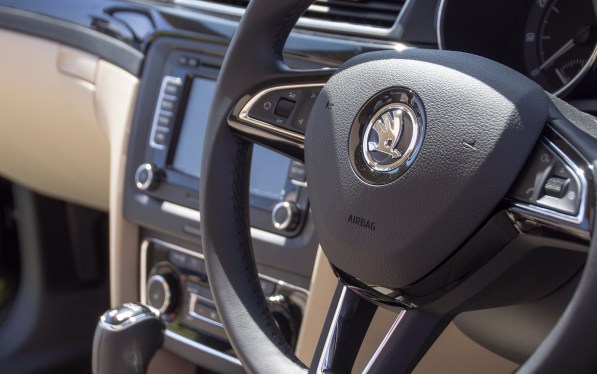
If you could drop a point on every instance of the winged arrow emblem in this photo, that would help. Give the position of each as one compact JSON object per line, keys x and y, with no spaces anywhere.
{"x":389,"y":130}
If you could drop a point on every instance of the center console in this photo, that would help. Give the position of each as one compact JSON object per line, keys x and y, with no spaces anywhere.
{"x":162,"y":196}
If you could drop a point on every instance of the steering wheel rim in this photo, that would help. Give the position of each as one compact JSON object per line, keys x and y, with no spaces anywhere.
{"x":254,"y":62}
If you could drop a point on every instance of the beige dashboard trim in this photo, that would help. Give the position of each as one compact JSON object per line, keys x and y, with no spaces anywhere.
{"x":51,"y":140}
{"x":64,"y":130}
{"x":116,"y":95}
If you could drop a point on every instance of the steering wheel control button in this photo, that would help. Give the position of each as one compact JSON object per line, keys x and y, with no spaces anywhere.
{"x":556,"y":187}
{"x":285,"y":216}
{"x":275,"y":107}
{"x":386,"y":138}
{"x":146,"y":177}
{"x":284,"y":107}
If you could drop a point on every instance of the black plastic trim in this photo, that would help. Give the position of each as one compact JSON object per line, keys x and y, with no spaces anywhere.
{"x":101,"y":45}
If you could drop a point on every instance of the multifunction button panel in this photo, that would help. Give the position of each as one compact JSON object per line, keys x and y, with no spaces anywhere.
{"x":286,"y":107}
{"x":549,"y":181}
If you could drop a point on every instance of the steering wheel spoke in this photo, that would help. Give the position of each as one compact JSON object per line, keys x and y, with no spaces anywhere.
{"x":553,"y":189}
{"x":277,"y":116}
{"x":349,"y":317}
{"x":407,"y":340}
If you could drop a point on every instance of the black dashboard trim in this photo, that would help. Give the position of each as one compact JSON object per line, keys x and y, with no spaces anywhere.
{"x":74,"y":35}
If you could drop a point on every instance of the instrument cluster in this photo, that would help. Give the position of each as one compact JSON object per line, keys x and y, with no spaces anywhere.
{"x":553,"y":42}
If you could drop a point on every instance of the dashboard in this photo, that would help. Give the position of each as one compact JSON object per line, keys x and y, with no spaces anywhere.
{"x":175,"y":48}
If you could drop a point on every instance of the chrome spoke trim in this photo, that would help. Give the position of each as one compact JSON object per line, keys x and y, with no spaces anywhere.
{"x":384,"y":341}
{"x":331,"y":340}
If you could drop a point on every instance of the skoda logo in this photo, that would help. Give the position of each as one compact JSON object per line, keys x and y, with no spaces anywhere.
{"x":391,"y":137}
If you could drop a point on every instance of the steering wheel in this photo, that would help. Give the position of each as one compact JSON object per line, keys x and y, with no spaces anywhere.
{"x":439,"y":182}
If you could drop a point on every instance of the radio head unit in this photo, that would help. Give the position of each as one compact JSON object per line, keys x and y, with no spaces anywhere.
{"x":171,"y":169}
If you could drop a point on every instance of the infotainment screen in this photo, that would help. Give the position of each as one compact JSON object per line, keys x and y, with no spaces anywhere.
{"x":269,"y":169}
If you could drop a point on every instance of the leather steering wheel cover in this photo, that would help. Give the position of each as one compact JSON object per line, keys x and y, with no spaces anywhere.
{"x":254,"y":56}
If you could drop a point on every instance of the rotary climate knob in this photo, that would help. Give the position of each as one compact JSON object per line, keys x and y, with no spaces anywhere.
{"x":162,"y":292}
{"x":286,"y":216}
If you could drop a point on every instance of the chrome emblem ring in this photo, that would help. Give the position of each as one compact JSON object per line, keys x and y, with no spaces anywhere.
{"x":391,"y":138}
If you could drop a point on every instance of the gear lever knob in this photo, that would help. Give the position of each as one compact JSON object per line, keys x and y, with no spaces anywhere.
{"x":126,"y":338}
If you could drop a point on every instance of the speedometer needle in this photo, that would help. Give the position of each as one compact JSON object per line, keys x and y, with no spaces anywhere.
{"x":581,"y":37}
{"x":565,"y":48}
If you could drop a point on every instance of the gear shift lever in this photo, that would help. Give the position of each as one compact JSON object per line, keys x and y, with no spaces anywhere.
{"x":126,"y":339}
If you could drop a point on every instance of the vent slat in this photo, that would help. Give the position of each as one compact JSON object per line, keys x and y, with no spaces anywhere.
{"x":376,"y":13}
{"x":382,"y":6}
{"x":338,"y":14}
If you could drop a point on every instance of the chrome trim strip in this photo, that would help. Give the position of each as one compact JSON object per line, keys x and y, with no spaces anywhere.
{"x":384,"y":341}
{"x":439,"y":23}
{"x":244,"y":113}
{"x":192,"y":302}
{"x":181,"y":211}
{"x":305,"y":22}
{"x":201,"y":347}
{"x":163,"y":95}
{"x":143,"y":272}
{"x":326,"y":355}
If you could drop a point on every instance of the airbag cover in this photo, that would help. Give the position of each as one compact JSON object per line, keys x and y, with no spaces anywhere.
{"x":482,"y":120}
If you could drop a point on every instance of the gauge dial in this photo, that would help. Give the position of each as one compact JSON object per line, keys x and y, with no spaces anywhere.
{"x":560,"y":42}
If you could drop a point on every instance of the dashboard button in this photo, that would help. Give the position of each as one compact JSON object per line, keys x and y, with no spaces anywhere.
{"x":171,"y":89}
{"x":161,"y":136}
{"x":297,"y":172}
{"x":164,"y":120}
{"x":162,"y":292}
{"x":168,"y":105}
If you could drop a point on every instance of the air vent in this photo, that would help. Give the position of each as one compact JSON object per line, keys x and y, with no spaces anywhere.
{"x":360,"y":12}
{"x":375,"y":13}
